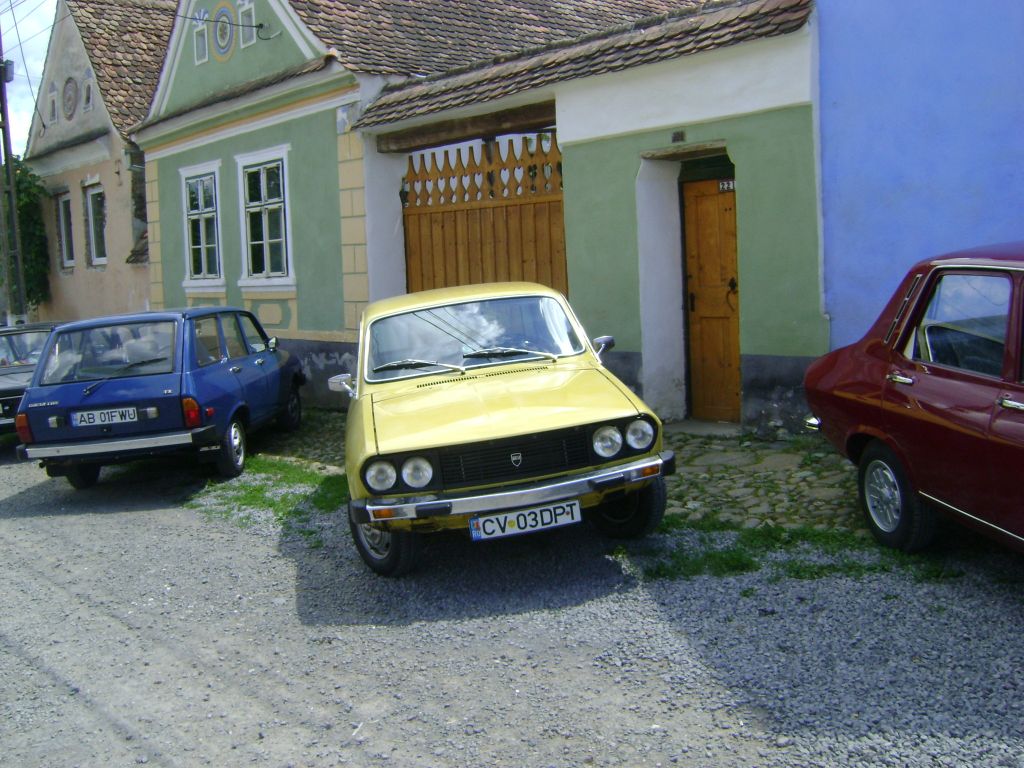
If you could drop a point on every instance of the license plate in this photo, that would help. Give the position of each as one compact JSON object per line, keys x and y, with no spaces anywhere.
{"x":99,"y":418}
{"x":525,"y":520}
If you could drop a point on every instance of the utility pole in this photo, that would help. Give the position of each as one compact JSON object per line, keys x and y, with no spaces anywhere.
{"x":12,"y":253}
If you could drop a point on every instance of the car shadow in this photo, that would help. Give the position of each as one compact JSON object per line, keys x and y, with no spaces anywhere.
{"x":138,"y":486}
{"x":8,"y":446}
{"x":456,"y":578}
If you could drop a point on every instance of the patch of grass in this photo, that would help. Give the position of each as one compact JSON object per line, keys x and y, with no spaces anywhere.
{"x":808,"y":571}
{"x":716,"y":562}
{"x":290,"y":490}
{"x":785,"y":549}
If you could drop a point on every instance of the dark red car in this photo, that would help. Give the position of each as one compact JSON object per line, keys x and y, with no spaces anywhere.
{"x":930,"y":403}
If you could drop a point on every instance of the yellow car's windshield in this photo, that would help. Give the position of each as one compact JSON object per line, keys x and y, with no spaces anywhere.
{"x":456,"y":337}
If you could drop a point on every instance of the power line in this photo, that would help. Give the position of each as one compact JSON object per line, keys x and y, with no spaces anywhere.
{"x":21,"y":47}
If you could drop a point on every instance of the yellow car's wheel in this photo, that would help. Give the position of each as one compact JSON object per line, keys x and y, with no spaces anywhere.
{"x":634,"y":515}
{"x":389,"y":553}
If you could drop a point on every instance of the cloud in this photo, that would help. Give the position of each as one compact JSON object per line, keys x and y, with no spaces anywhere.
{"x":26,"y":35}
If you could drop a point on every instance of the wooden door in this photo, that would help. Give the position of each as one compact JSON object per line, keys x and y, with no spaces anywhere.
{"x":712,"y":300}
{"x":484,"y":218}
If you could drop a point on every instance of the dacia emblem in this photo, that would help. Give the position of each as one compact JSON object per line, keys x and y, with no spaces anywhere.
{"x":517,"y":459}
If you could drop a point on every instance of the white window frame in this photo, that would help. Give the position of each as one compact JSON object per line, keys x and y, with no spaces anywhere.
{"x":246,"y":24}
{"x":65,"y":231}
{"x":89,"y":192}
{"x":200,"y":34}
{"x":248,"y":160}
{"x":201,"y":284}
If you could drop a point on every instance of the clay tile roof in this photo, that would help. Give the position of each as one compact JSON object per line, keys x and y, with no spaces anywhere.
{"x":419,"y":37}
{"x":712,"y":24}
{"x":126,"y":41}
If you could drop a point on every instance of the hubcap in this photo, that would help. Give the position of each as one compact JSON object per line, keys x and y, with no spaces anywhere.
{"x":377,"y":541}
{"x":882,"y":494}
{"x":237,"y":445}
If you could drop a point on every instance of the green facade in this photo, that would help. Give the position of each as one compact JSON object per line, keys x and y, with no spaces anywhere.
{"x":313,"y":206}
{"x":229,"y":62}
{"x":777,"y":229}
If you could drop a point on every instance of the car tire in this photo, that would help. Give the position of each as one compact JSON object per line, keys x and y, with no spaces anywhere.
{"x":82,"y":476}
{"x":387,"y":553}
{"x":894,"y":513}
{"x":291,"y":416}
{"x":231,"y":460}
{"x":635,"y":515}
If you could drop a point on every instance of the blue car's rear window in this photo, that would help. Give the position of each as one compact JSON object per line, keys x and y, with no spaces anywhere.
{"x":102,"y":352}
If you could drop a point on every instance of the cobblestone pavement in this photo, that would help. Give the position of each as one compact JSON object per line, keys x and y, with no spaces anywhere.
{"x":740,"y":479}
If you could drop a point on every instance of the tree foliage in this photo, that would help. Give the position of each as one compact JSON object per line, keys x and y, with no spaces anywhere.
{"x":35,"y":256}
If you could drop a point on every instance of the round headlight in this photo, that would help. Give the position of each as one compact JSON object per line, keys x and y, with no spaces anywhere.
{"x":640,"y":435}
{"x":380,"y":475}
{"x":417,"y":472}
{"x":607,"y":442}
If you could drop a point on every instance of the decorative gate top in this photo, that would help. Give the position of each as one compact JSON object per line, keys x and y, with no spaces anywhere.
{"x":535,"y":171}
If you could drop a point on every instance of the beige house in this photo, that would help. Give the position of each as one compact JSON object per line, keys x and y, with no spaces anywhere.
{"x":101,"y":70}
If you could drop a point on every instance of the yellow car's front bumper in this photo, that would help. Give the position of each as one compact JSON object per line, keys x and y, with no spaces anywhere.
{"x":590,"y":487}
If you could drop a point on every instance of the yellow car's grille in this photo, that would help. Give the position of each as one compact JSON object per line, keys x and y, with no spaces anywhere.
{"x":519,"y":458}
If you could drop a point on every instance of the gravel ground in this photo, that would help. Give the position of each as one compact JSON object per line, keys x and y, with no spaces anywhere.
{"x":140,"y":625}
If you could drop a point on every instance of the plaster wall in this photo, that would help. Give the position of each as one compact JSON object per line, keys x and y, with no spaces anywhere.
{"x":66,"y":60}
{"x":231,"y":60}
{"x":385,"y":234}
{"x":84,"y":289}
{"x":622,"y":215}
{"x":921,"y":144}
{"x":740,"y":79}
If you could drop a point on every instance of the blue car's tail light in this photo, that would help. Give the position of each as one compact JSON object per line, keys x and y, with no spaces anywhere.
{"x":24,"y":430}
{"x":192,"y":413}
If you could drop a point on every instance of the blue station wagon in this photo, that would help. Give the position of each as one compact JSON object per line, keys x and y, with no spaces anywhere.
{"x":119,"y":388}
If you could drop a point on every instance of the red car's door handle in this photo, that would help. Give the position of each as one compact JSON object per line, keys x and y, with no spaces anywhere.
{"x":899,"y":378}
{"x":1008,"y":403}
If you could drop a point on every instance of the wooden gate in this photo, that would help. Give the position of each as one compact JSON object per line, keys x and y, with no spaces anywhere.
{"x":495,"y":217}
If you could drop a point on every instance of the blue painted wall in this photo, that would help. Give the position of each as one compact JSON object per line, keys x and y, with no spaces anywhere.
{"x":922,"y":140}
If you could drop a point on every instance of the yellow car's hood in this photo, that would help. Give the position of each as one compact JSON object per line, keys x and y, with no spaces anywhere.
{"x":496,"y":403}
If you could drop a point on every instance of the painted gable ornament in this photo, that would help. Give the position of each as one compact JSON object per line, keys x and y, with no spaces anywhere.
{"x":70,"y":98}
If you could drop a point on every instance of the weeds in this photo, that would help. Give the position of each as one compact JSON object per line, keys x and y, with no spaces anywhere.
{"x":719,"y":548}
{"x":289,"y":491}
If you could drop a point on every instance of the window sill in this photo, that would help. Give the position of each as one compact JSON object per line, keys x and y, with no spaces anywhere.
{"x":203,"y":286}
{"x":265,"y":284}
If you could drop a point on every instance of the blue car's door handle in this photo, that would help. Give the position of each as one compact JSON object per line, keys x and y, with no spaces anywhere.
{"x":235,"y":369}
{"x":259,"y":361}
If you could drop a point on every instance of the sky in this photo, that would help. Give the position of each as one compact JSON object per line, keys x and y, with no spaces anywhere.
{"x":25,"y":28}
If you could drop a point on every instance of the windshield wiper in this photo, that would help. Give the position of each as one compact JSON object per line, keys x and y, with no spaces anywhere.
{"x":508,"y":352}
{"x":410,"y":362}
{"x":124,"y":368}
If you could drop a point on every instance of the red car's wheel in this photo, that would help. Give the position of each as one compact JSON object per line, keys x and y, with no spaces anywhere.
{"x":892,"y":509}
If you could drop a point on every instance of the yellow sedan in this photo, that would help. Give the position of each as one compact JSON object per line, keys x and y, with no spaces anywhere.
{"x":486,"y":408}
